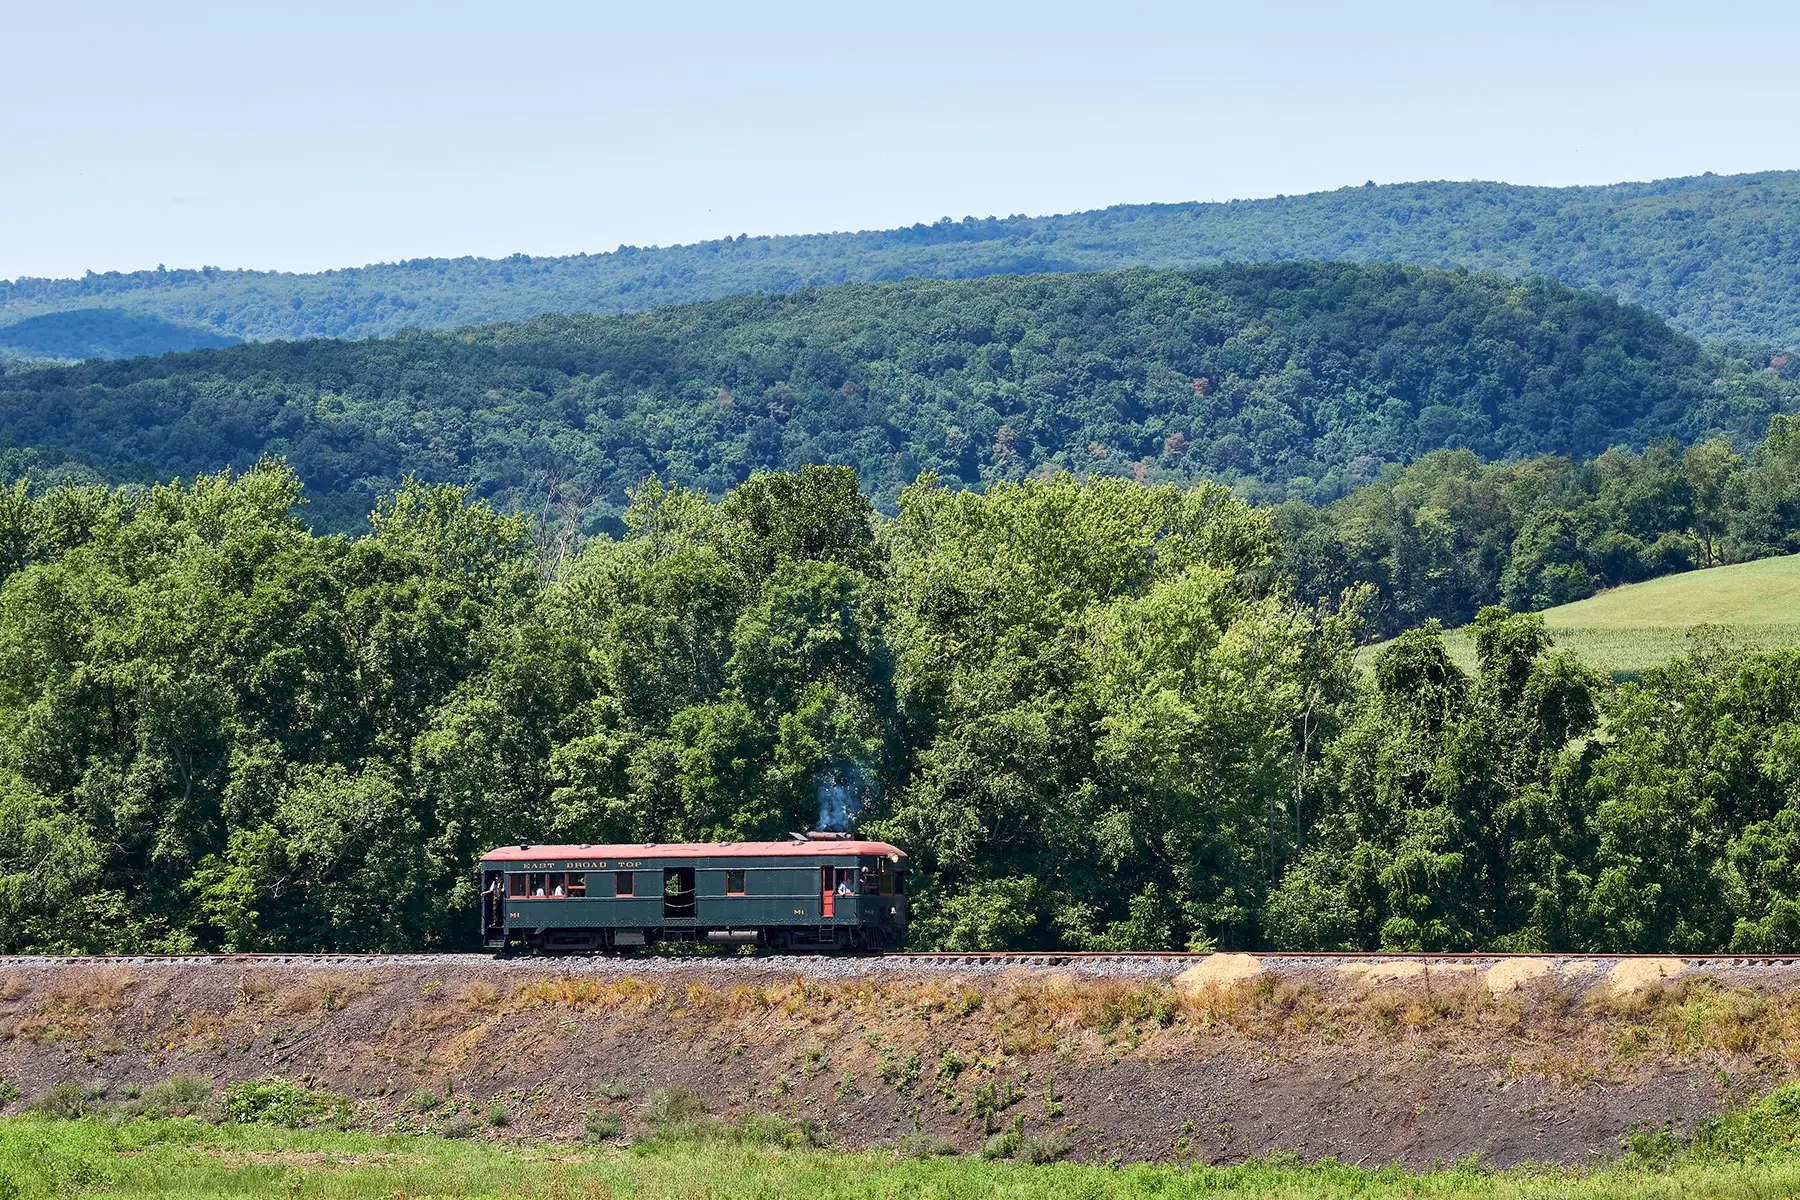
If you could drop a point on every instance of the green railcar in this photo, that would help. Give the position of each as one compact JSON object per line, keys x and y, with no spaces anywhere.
{"x":816,"y":892}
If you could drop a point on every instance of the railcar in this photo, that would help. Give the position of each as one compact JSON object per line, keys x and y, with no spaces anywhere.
{"x":813,"y":892}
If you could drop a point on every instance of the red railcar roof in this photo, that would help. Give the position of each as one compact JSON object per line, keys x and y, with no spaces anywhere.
{"x":846,"y":848}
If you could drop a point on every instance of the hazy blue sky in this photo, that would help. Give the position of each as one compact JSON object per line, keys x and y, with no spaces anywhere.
{"x":318,"y":134}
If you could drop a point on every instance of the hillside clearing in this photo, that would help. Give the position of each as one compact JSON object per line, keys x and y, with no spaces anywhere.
{"x":1627,"y":629}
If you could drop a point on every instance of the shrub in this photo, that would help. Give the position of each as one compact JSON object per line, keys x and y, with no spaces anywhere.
{"x":1045,"y":1149}
{"x":994,"y":1097}
{"x":896,"y":1072}
{"x":612,"y":1089}
{"x":66,"y":1101}
{"x":674,"y":1105}
{"x":497,"y":1116}
{"x":1002,"y":1145}
{"x":1769,"y":1127}
{"x":275,"y":1101}
{"x":925,"y":1145}
{"x":176,"y":1096}
{"x":772,"y":1129}
{"x":460,"y":1126}
{"x":9,"y":1091}
{"x":602,"y":1127}
{"x":425,"y":1100}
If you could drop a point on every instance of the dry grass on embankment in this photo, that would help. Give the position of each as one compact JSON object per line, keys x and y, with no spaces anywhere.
{"x":1367,"y":1064}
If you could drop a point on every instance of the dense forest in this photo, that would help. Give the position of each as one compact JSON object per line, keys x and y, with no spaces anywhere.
{"x":1095,"y":712}
{"x":1288,"y":380}
{"x":1717,"y":255}
{"x":1447,"y":536}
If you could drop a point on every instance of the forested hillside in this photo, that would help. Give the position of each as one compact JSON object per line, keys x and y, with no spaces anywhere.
{"x":1092,"y":711}
{"x":1448,"y":535}
{"x":1292,"y":380}
{"x":1717,"y":255}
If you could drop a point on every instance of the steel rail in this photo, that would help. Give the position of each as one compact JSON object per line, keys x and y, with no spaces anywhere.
{"x":973,"y":957}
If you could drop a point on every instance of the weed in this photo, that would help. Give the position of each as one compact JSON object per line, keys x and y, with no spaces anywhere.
{"x":673,"y":1105}
{"x":896,"y":1072}
{"x":782,"y":1085}
{"x":9,"y":1091}
{"x":498,"y":1117}
{"x":176,"y":1096}
{"x":612,"y":1089}
{"x":275,"y":1101}
{"x":1002,"y":1145}
{"x":950,"y":1065}
{"x":67,"y":1101}
{"x":924,"y":1145}
{"x":993,"y":1098}
{"x":460,"y":1126}
{"x":846,"y":1086}
{"x":602,"y":1127}
{"x":1040,"y":1150}
{"x":816,"y":1060}
{"x":425,"y":1100}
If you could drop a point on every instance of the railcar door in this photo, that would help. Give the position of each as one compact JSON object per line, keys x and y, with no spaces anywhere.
{"x":493,"y":900}
{"x":825,"y":898}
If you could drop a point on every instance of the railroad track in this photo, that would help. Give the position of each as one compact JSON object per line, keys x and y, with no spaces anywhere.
{"x":1023,"y":958}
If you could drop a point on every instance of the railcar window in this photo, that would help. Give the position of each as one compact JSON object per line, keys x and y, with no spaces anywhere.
{"x":622,"y":883}
{"x":536,"y":885}
{"x":515,"y":884}
{"x":577,"y":884}
{"x":557,"y":887}
{"x":734,"y":883}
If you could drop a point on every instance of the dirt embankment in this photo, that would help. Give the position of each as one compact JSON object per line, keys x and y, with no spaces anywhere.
{"x":1541,"y":1062}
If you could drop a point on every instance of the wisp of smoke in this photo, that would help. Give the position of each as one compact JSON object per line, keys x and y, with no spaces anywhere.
{"x":839,"y":801}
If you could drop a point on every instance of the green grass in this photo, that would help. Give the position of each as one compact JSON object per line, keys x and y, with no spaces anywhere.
{"x":1623,"y":631}
{"x":183,"y":1158}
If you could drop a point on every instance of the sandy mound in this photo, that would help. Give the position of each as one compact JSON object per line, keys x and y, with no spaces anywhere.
{"x":1218,"y":971}
{"x":1510,"y":974}
{"x":1632,"y":975}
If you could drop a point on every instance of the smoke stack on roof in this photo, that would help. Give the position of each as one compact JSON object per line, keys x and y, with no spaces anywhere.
{"x":824,"y":835}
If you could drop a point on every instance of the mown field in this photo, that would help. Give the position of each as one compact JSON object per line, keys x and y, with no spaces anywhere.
{"x":188,"y":1158}
{"x":1626,"y":629}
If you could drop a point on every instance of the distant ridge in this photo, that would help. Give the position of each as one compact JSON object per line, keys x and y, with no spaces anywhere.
{"x":85,"y":333}
{"x":1288,"y":380}
{"x":1718,"y":256}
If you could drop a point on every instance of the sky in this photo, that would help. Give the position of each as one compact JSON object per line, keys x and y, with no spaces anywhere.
{"x":311,"y":135}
